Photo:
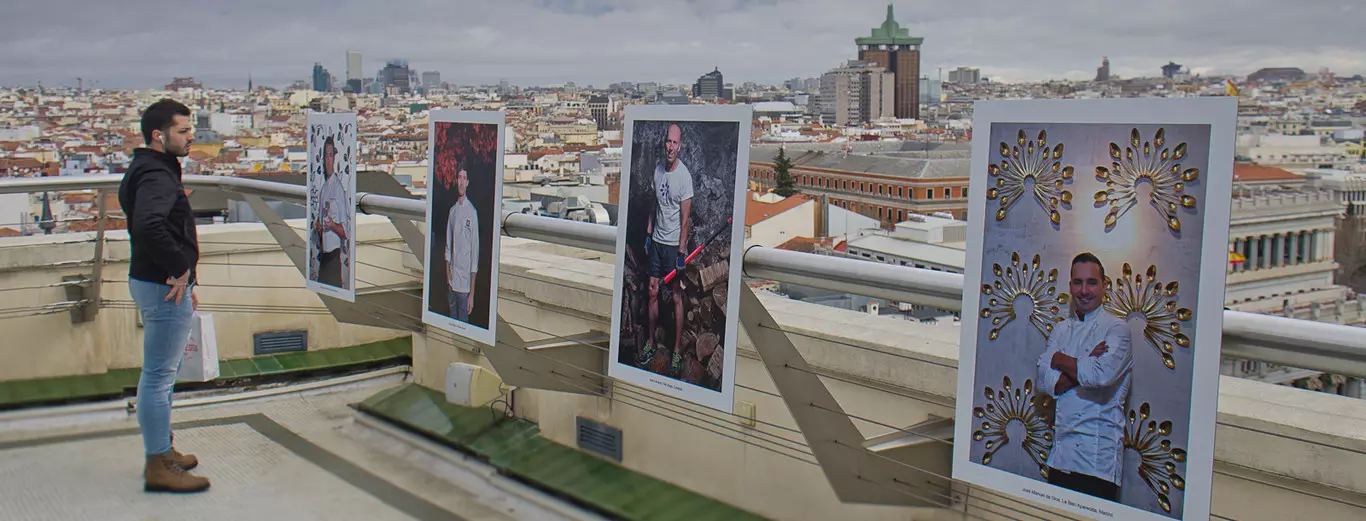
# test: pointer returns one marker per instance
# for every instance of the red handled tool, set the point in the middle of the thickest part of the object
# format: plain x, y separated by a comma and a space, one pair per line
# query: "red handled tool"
670, 277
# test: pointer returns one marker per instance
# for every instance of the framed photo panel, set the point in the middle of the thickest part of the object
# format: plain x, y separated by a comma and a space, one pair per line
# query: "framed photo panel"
464, 222
1092, 320
680, 238
331, 220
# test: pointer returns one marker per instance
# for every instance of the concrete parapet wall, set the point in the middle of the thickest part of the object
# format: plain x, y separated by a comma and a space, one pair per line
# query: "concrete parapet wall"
1282, 453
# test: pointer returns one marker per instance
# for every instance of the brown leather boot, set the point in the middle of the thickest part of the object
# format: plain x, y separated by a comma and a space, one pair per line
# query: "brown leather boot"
164, 475
184, 461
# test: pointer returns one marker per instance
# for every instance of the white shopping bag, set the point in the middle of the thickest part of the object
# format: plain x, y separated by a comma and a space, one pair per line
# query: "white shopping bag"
199, 363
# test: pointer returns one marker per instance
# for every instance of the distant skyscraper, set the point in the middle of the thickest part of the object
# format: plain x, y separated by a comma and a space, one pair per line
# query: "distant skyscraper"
965, 76
931, 91
431, 80
322, 81
354, 70
893, 48
504, 89
857, 93
395, 74
1103, 72
1170, 70
709, 85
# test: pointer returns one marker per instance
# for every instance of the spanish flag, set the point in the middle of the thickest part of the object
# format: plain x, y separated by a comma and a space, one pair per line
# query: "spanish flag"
1236, 258
1229, 88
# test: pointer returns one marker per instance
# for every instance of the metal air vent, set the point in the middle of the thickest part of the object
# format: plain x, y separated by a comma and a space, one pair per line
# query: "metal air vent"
279, 342
599, 438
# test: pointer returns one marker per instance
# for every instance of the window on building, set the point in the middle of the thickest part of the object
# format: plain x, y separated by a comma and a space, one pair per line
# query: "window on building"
880, 259
929, 193
948, 192
880, 214
965, 192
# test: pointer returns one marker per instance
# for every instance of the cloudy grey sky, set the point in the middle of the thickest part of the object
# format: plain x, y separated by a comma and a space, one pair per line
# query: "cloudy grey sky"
143, 43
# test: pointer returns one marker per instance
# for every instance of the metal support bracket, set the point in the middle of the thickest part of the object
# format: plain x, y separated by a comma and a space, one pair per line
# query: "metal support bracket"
387, 307
858, 472
561, 364
417, 242
85, 293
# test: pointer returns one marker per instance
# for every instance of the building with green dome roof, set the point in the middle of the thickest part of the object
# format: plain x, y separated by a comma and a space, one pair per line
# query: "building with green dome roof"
892, 47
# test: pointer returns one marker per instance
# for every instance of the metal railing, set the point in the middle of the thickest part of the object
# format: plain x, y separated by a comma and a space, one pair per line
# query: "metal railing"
1284, 341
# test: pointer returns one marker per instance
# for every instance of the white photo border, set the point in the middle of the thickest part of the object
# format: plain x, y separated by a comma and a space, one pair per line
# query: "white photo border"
476, 117
742, 115
344, 140
1221, 116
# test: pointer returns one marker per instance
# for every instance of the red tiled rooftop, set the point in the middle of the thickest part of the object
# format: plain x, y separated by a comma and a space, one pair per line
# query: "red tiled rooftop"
1252, 172
758, 211
801, 244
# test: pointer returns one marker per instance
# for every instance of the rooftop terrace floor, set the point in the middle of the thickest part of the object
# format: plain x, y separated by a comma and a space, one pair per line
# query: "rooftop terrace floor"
291, 457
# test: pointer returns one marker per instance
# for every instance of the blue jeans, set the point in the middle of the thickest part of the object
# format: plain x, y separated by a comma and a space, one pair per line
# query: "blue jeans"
460, 305
165, 330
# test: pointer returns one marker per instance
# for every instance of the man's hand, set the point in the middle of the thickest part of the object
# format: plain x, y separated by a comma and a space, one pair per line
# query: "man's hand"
1065, 383
1100, 349
194, 298
682, 258
469, 301
178, 287
1060, 360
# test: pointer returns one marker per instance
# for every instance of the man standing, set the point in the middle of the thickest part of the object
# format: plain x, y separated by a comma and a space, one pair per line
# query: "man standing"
1087, 366
165, 250
666, 240
334, 210
462, 248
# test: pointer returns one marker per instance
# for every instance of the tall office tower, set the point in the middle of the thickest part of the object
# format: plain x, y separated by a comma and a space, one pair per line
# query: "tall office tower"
431, 80
355, 80
395, 74
322, 81
893, 48
856, 94
709, 85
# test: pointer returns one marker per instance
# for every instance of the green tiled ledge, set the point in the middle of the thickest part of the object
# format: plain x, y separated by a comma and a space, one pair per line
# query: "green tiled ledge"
122, 382
516, 448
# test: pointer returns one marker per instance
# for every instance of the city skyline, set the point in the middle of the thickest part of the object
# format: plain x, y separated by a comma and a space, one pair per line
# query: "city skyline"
598, 42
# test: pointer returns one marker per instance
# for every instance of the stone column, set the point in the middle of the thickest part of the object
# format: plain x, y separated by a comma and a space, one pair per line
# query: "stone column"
1301, 253
1277, 250
1328, 237
1252, 253
1233, 247
1311, 248
1265, 244
1355, 387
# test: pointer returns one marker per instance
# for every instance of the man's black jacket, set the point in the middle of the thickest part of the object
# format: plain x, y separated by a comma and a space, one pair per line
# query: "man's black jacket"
161, 224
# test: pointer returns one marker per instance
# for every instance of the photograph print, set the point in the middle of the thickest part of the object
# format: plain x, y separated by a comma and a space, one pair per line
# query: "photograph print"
464, 198
331, 220
680, 239
1097, 253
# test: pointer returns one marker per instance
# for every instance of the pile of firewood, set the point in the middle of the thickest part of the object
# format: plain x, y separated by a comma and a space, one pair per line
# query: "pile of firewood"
704, 286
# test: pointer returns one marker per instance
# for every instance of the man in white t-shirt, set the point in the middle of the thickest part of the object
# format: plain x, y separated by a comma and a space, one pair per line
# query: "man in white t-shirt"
332, 221
462, 249
666, 240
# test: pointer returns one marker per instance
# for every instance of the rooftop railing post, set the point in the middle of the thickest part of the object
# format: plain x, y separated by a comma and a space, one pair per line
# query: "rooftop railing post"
92, 308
